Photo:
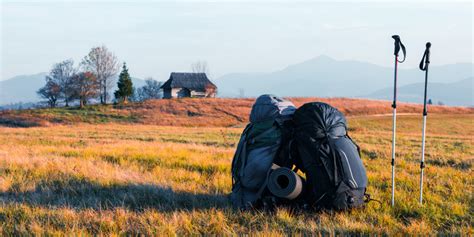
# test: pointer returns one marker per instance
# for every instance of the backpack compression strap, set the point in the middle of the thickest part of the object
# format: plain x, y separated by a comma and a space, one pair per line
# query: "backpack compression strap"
291, 161
334, 179
238, 163
265, 182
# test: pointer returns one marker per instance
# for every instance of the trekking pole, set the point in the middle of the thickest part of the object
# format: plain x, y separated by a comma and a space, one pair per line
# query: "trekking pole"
398, 45
425, 62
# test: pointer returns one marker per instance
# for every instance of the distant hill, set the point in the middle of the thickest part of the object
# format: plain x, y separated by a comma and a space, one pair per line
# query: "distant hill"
456, 93
23, 88
323, 76
196, 112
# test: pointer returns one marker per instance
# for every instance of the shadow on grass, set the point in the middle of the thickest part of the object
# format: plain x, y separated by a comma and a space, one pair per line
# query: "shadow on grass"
83, 194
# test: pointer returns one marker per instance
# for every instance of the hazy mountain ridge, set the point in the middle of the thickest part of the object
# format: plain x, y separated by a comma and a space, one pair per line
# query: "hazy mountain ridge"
456, 93
21, 88
324, 76
321, 76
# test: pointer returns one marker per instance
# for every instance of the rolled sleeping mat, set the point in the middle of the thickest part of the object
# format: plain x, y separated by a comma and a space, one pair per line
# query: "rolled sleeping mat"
285, 183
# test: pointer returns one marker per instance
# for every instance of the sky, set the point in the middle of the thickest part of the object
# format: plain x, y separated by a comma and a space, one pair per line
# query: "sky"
156, 38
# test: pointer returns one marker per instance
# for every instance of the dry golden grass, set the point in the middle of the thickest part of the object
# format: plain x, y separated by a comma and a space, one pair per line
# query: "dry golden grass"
111, 179
194, 112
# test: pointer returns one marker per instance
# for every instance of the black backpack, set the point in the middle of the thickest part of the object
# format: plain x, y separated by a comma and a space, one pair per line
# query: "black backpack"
335, 175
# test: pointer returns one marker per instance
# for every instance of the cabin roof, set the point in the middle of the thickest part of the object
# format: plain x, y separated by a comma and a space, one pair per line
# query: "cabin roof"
189, 80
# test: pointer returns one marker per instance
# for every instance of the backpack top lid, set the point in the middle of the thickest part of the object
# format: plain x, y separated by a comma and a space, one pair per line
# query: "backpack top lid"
271, 107
320, 120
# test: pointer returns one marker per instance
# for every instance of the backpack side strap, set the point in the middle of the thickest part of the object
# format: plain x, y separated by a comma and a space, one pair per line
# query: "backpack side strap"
355, 144
369, 199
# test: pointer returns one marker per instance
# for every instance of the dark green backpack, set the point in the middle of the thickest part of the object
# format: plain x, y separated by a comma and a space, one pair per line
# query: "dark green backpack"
258, 146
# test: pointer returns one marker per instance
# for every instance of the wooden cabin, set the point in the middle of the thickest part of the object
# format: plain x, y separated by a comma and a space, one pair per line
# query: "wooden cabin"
185, 84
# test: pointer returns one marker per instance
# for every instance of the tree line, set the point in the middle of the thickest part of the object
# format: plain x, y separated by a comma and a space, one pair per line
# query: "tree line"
92, 80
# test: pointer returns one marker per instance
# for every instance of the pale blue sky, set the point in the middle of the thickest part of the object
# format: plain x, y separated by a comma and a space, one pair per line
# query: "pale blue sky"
155, 38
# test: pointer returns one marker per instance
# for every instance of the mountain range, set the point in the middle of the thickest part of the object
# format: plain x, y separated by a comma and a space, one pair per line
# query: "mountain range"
321, 76
325, 77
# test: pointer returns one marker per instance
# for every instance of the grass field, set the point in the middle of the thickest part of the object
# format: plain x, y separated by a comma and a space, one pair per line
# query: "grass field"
161, 180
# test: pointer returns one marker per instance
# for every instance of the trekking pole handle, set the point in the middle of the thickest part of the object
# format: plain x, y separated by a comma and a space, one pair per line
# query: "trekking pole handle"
428, 46
398, 44
425, 61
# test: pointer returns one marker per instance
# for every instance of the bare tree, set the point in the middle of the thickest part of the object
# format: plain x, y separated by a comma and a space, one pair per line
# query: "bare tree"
85, 87
51, 91
135, 95
61, 74
200, 67
241, 92
104, 65
151, 90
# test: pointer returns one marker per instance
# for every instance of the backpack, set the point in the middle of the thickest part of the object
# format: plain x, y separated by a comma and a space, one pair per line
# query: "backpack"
259, 144
335, 175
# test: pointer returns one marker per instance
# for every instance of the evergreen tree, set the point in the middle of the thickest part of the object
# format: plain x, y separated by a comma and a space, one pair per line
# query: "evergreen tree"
125, 87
